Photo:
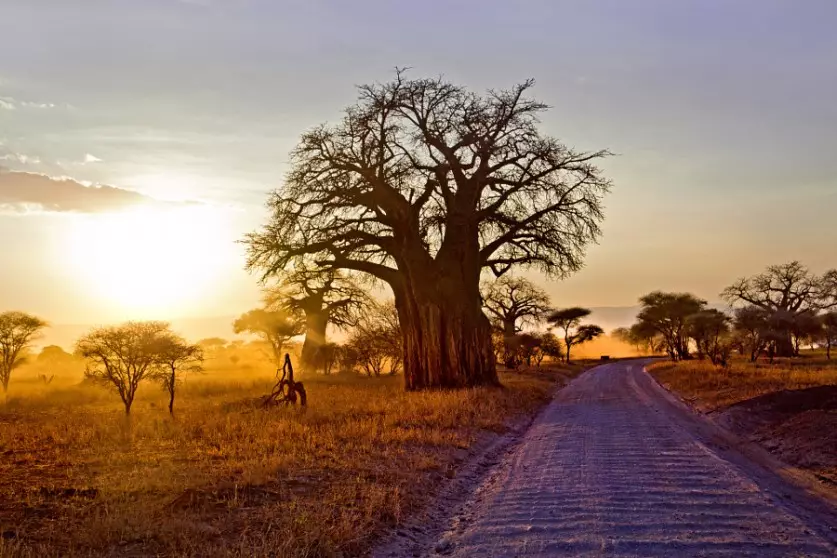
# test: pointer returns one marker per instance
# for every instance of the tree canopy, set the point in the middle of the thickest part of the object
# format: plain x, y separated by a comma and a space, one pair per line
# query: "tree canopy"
422, 185
122, 356
569, 320
274, 327
17, 331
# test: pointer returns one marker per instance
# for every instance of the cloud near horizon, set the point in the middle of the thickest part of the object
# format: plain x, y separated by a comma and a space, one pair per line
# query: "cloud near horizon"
19, 191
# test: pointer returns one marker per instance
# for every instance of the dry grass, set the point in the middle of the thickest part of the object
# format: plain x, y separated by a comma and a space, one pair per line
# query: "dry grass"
226, 478
710, 388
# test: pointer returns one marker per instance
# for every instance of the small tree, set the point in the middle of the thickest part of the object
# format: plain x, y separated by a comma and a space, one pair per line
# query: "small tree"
17, 331
752, 328
176, 357
276, 328
123, 356
666, 315
708, 328
529, 347
512, 302
569, 320
804, 327
328, 354
551, 346
829, 331
377, 339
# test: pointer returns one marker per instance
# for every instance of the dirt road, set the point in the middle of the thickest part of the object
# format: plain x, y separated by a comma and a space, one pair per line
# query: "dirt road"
616, 467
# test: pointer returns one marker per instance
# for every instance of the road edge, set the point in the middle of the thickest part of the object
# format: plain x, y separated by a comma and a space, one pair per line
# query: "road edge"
798, 492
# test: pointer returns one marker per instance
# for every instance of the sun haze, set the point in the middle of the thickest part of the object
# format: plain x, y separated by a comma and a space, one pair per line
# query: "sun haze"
186, 120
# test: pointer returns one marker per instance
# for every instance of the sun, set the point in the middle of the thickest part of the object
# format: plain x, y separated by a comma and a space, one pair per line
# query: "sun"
150, 262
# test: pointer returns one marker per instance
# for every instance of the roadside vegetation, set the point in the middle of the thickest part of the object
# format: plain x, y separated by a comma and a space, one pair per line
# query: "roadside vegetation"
224, 476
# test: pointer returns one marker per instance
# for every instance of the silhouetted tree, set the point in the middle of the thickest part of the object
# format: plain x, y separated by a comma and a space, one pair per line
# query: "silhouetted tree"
829, 331
667, 314
804, 327
513, 302
276, 328
123, 356
175, 357
328, 355
709, 328
569, 320
423, 185
789, 290
551, 346
752, 326
645, 339
376, 339
17, 331
324, 297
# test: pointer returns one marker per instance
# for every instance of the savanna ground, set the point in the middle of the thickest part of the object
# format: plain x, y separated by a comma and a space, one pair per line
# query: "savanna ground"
789, 407
225, 477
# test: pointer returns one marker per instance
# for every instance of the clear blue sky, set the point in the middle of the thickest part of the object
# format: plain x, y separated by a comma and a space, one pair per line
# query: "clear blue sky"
723, 114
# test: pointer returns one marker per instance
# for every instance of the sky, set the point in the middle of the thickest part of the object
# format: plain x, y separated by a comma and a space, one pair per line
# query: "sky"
722, 114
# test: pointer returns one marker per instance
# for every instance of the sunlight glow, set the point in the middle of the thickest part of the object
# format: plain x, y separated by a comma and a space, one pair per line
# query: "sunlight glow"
151, 262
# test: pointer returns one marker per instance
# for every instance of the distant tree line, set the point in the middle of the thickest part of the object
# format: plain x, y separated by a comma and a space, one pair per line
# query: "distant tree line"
774, 313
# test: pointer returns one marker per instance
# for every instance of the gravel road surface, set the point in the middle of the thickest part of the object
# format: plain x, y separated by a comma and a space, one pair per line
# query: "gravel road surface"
613, 467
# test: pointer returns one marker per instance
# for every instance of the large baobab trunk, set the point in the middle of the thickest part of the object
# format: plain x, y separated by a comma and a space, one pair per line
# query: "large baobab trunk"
315, 337
447, 338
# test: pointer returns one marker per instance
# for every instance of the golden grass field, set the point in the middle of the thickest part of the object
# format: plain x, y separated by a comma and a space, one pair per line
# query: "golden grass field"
789, 407
710, 388
225, 477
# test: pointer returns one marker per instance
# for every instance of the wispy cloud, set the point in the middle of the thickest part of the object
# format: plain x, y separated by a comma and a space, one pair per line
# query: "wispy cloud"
20, 191
20, 158
90, 158
10, 103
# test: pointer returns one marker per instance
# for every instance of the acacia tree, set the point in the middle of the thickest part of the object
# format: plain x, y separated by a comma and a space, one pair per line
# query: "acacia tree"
17, 331
789, 290
274, 327
752, 327
569, 320
123, 356
324, 297
175, 357
551, 346
667, 315
513, 302
708, 328
423, 185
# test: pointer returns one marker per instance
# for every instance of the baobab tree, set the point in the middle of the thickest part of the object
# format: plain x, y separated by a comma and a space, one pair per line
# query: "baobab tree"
422, 185
787, 290
17, 331
569, 320
324, 297
514, 302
